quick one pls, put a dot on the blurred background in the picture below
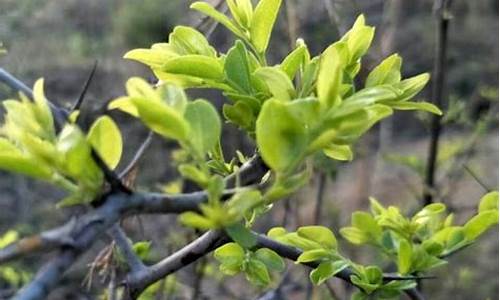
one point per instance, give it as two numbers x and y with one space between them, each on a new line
60 40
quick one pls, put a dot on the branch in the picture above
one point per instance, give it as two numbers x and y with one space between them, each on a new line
126 248
137 282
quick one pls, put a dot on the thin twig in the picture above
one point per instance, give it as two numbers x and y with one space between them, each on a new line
80 99
477 179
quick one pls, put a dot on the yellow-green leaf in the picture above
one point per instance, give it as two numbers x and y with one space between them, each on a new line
104 135
263 22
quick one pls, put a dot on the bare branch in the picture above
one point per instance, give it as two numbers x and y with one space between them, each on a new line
125 246
138 155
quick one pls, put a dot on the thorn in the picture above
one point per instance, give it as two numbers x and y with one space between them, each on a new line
80 99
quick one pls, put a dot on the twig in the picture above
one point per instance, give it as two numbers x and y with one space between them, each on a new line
138 155
80 99
438 95
476 178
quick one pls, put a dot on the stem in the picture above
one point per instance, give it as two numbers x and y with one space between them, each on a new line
438 94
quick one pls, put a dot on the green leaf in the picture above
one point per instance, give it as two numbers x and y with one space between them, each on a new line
326 270
263 22
162 119
195 65
240 114
488 202
154 57
277 81
365 222
387 72
313 255
42 113
186 40
320 235
230 252
236 67
104 135
424 106
276 232
142 249
124 104
404 257
256 272
281 138
292 63
412 86
270 258
339 152
174 96
374 274
354 235
359 38
204 126
210 11
330 75
241 235
195 220
242 11
480 223
8 238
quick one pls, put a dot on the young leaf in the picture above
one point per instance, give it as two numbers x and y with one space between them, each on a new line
263 22
106 139
154 57
313 255
124 104
326 270
195 220
387 72
204 125
236 67
162 119
292 63
277 81
256 272
270 258
423 106
281 138
242 11
412 86
488 202
210 11
359 38
339 152
241 235
195 65
230 252
365 222
320 235
240 114
480 223
186 40
404 257
330 75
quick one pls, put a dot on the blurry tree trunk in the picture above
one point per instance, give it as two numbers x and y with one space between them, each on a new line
438 94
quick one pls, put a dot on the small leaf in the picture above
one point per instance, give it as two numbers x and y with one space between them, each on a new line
204 126
480 223
488 202
313 255
270 258
281 138
154 58
404 257
124 104
412 86
195 220
326 270
195 65
354 235
187 40
339 152
359 38
240 114
330 75
236 67
277 81
423 106
320 235
104 135
276 232
256 272
387 72
365 222
263 22
230 252
292 63
210 11
241 235
162 119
